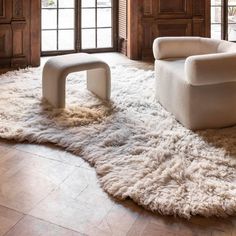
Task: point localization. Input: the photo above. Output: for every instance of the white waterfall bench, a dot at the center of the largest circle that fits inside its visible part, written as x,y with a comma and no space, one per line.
57,69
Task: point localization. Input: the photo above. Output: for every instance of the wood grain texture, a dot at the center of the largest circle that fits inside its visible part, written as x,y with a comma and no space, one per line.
174,9
18,9
36,227
149,19
198,8
5,11
35,32
5,38
8,219
22,17
148,8
133,44
2,7
122,26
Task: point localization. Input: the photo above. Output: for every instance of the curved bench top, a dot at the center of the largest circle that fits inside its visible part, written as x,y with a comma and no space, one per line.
73,63
76,59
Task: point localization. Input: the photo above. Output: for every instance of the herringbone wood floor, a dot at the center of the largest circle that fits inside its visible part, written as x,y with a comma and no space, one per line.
47,191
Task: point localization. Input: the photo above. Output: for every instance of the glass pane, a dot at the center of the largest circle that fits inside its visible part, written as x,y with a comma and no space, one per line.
49,3
216,31
104,3
88,38
49,40
66,39
104,37
104,17
216,2
232,22
49,19
216,15
66,18
88,3
232,32
88,18
66,3
232,2
232,14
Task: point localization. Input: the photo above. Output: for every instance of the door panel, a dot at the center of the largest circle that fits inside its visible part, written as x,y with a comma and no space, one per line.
5,38
179,27
5,11
174,9
19,33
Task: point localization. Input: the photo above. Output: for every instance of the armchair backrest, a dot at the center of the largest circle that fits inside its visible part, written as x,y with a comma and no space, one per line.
183,47
225,46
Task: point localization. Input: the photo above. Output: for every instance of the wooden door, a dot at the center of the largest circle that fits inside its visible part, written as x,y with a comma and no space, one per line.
149,19
5,32
19,33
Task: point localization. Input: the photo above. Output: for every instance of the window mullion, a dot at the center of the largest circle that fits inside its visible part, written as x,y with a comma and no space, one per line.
225,19
96,24
57,24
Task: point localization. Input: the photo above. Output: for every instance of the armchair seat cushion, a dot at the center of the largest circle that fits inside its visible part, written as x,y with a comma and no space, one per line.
174,67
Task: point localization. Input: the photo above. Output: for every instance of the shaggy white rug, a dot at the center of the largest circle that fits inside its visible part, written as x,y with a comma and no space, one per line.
138,149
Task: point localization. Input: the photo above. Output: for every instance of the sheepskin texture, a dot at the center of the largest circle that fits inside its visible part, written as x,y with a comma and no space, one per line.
138,149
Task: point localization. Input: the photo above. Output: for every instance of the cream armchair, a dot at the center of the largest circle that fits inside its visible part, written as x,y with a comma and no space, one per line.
196,80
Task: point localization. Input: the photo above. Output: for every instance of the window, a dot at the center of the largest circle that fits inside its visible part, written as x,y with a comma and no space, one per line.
232,20
223,19
216,19
77,25
58,25
96,24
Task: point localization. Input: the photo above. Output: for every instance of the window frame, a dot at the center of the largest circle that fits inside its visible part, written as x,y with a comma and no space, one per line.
78,33
58,52
224,20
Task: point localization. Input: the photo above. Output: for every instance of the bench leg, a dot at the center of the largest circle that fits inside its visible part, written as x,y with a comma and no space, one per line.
99,82
54,90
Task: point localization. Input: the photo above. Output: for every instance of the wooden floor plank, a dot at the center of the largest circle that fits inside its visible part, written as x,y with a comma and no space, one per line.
30,226
8,218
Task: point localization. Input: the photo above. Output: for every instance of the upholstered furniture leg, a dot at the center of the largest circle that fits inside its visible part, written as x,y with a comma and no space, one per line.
99,82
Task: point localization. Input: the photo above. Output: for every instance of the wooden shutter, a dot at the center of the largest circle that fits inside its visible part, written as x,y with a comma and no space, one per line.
122,26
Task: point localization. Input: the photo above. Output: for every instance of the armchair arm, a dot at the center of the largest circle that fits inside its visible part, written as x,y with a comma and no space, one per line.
211,69
176,47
